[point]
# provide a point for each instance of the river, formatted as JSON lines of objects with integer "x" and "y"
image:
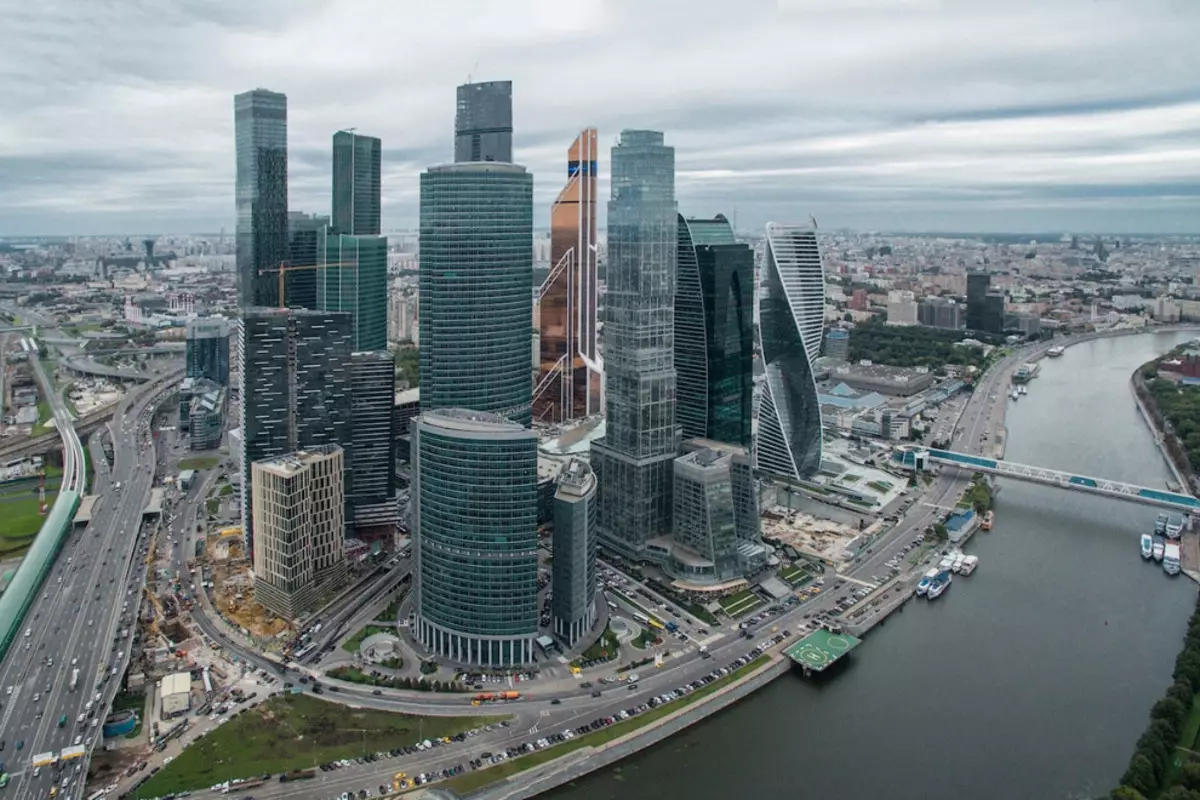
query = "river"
{"x": 1032, "y": 678}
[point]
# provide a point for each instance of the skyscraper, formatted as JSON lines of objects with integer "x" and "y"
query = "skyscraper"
{"x": 208, "y": 349}
{"x": 714, "y": 332}
{"x": 483, "y": 124}
{"x": 304, "y": 231}
{"x": 296, "y": 370}
{"x": 977, "y": 289}
{"x": 633, "y": 462}
{"x": 260, "y": 126}
{"x": 352, "y": 277}
{"x": 371, "y": 494}
{"x": 573, "y": 572}
{"x": 569, "y": 376}
{"x": 791, "y": 321}
{"x": 356, "y": 183}
{"x": 298, "y": 513}
{"x": 475, "y": 520}
{"x": 476, "y": 276}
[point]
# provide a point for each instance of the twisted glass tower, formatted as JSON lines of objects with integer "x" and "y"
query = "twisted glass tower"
{"x": 791, "y": 321}
{"x": 633, "y": 462}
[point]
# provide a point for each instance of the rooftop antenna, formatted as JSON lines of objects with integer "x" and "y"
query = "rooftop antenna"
{"x": 473, "y": 69}
{"x": 813, "y": 220}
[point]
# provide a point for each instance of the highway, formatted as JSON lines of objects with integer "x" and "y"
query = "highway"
{"x": 76, "y": 622}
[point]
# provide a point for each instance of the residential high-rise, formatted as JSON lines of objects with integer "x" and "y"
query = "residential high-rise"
{"x": 475, "y": 523}
{"x": 208, "y": 349}
{"x": 977, "y": 289}
{"x": 476, "y": 276}
{"x": 791, "y": 319}
{"x": 260, "y": 129}
{"x": 483, "y": 124}
{"x": 573, "y": 572}
{"x": 941, "y": 312}
{"x": 633, "y": 460}
{"x": 356, "y": 183}
{"x": 837, "y": 344}
{"x": 993, "y": 312}
{"x": 902, "y": 308}
{"x": 296, "y": 387}
{"x": 300, "y": 285}
{"x": 703, "y": 515}
{"x": 298, "y": 508}
{"x": 569, "y": 372}
{"x": 371, "y": 493}
{"x": 352, "y": 277}
{"x": 714, "y": 332}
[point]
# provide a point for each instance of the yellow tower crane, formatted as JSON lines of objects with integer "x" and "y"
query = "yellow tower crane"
{"x": 284, "y": 268}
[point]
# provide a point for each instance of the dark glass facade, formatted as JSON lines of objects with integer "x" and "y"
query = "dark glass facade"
{"x": 476, "y": 278}
{"x": 483, "y": 124}
{"x": 356, "y": 183}
{"x": 260, "y": 130}
{"x": 296, "y": 388}
{"x": 633, "y": 462}
{"x": 475, "y": 490}
{"x": 208, "y": 350}
{"x": 978, "y": 284}
{"x": 371, "y": 487}
{"x": 791, "y": 324}
{"x": 353, "y": 278}
{"x": 714, "y": 332}
{"x": 573, "y": 571}
{"x": 300, "y": 286}
{"x": 569, "y": 373}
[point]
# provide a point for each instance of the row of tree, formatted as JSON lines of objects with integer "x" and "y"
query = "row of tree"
{"x": 914, "y": 346}
{"x": 1151, "y": 771}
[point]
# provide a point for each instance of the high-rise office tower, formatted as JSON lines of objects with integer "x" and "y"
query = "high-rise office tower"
{"x": 371, "y": 495}
{"x": 352, "y": 277}
{"x": 633, "y": 460}
{"x": 356, "y": 183}
{"x": 300, "y": 285}
{"x": 714, "y": 332}
{"x": 476, "y": 305}
{"x": 569, "y": 372}
{"x": 573, "y": 572}
{"x": 298, "y": 514}
{"x": 260, "y": 129}
{"x": 483, "y": 124}
{"x": 791, "y": 322}
{"x": 475, "y": 518}
{"x": 296, "y": 395}
{"x": 978, "y": 284}
{"x": 702, "y": 519}
{"x": 208, "y": 349}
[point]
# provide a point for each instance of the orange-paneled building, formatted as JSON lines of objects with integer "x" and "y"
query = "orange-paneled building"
{"x": 569, "y": 379}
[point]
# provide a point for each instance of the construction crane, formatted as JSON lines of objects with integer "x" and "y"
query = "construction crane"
{"x": 284, "y": 268}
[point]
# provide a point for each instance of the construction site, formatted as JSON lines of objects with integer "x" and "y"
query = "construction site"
{"x": 823, "y": 539}
{"x": 227, "y": 571}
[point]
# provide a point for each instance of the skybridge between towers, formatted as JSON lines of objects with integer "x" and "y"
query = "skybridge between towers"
{"x": 1050, "y": 477}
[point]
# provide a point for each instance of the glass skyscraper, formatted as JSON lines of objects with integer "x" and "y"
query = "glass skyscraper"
{"x": 714, "y": 332}
{"x": 371, "y": 490}
{"x": 476, "y": 278}
{"x": 573, "y": 572}
{"x": 356, "y": 183}
{"x": 791, "y": 323}
{"x": 208, "y": 350}
{"x": 633, "y": 462}
{"x": 353, "y": 278}
{"x": 483, "y": 124}
{"x": 475, "y": 519}
{"x": 569, "y": 375}
{"x": 304, "y": 230}
{"x": 260, "y": 129}
{"x": 296, "y": 371}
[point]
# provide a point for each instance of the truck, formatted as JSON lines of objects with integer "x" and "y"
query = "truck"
{"x": 1170, "y": 562}
{"x": 672, "y": 627}
{"x": 78, "y": 751}
{"x": 74, "y": 680}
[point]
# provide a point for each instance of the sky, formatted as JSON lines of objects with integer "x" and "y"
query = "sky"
{"x": 116, "y": 116}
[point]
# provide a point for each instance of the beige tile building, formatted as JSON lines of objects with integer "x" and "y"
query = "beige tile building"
{"x": 299, "y": 524}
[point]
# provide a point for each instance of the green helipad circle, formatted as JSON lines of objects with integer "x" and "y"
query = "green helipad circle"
{"x": 813, "y": 656}
{"x": 837, "y": 643}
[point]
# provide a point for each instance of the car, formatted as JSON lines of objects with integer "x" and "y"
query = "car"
{"x": 596, "y": 693}
{"x": 556, "y": 702}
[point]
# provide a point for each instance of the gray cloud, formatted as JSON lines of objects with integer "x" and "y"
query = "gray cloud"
{"x": 895, "y": 114}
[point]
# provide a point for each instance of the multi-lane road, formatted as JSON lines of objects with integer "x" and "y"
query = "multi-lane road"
{"x": 89, "y": 597}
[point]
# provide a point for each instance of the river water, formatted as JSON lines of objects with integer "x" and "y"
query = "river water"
{"x": 1032, "y": 678}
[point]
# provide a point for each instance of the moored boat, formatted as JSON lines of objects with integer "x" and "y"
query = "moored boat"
{"x": 939, "y": 585}
{"x": 1147, "y": 546}
{"x": 969, "y": 565}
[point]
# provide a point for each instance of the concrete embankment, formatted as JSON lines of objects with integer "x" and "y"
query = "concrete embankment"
{"x": 589, "y": 759}
{"x": 1159, "y": 438}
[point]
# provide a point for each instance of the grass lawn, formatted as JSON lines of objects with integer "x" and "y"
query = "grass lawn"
{"x": 356, "y": 675}
{"x": 390, "y": 613}
{"x": 472, "y": 781}
{"x": 20, "y": 521}
{"x": 226, "y": 489}
{"x": 44, "y": 416}
{"x": 294, "y": 732}
{"x": 212, "y": 505}
{"x": 199, "y": 462}
{"x": 352, "y": 644}
{"x": 703, "y": 614}
{"x": 794, "y": 575}
{"x": 740, "y": 604}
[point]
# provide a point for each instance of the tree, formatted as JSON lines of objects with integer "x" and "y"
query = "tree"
{"x": 1141, "y": 775}
{"x": 1126, "y": 793}
{"x": 1189, "y": 776}
{"x": 939, "y": 530}
{"x": 1178, "y": 793}
{"x": 1170, "y": 710}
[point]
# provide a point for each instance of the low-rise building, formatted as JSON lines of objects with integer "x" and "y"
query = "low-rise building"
{"x": 869, "y": 377}
{"x": 175, "y": 693}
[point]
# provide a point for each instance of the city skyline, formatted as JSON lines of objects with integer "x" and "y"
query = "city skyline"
{"x": 967, "y": 136}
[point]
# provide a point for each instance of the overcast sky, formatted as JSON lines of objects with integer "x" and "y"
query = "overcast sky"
{"x": 968, "y": 115}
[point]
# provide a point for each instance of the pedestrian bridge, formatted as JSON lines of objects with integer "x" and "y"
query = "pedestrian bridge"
{"x": 1063, "y": 480}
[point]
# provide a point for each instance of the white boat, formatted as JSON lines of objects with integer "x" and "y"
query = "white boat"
{"x": 1013, "y": 395}
{"x": 1158, "y": 550}
{"x": 969, "y": 565}
{"x": 958, "y": 562}
{"x": 947, "y": 562}
{"x": 1055, "y": 352}
{"x": 1170, "y": 563}
{"x": 1024, "y": 390}
{"x": 926, "y": 580}
{"x": 939, "y": 585}
{"x": 1147, "y": 546}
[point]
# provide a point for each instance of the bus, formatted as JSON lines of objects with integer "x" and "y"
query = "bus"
{"x": 657, "y": 625}
{"x": 642, "y": 618}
